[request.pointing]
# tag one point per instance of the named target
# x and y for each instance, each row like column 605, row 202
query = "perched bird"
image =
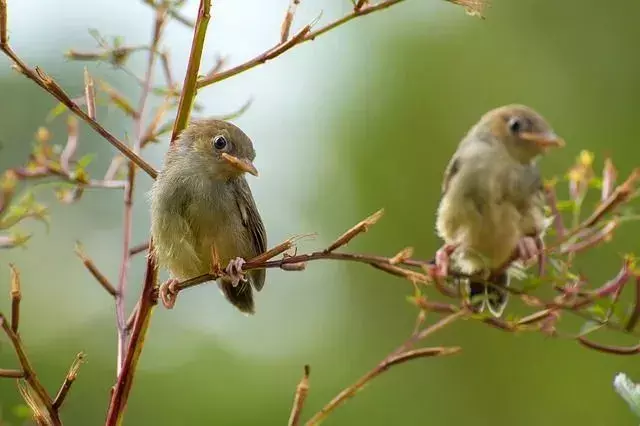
column 201, row 199
column 492, row 199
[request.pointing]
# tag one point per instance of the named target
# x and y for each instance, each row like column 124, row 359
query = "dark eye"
column 515, row 125
column 220, row 142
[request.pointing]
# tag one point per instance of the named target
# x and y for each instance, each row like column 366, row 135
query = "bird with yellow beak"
column 492, row 201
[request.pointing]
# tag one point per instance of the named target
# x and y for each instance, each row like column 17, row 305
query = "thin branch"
column 399, row 356
column 189, row 86
column 306, row 34
column 300, row 397
column 148, row 300
column 93, row 269
column 68, row 381
column 359, row 228
column 89, row 94
column 38, row 76
column 288, row 20
column 140, row 248
column 123, row 335
column 16, row 297
column 11, row 374
column 29, row 373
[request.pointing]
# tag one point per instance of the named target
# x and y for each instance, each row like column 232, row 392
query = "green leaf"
column 85, row 160
column 56, row 111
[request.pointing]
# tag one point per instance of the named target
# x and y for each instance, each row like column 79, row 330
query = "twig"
column 303, row 36
column 89, row 94
column 16, row 297
column 91, row 267
column 123, row 335
column 43, row 80
column 400, row 355
column 148, row 300
column 361, row 227
column 170, row 289
column 29, row 373
column 635, row 315
column 68, row 381
column 140, row 248
column 288, row 20
column 189, row 86
column 11, row 374
column 300, row 397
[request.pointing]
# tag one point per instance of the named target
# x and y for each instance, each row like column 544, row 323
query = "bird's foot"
column 234, row 271
column 167, row 293
column 531, row 249
column 442, row 259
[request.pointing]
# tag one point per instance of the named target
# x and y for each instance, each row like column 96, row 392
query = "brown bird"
column 492, row 199
column 201, row 199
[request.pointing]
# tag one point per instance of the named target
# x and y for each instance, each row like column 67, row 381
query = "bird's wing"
column 452, row 168
column 253, row 223
column 532, row 200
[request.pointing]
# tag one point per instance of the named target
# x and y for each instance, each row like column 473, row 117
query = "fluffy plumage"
column 201, row 198
column 492, row 196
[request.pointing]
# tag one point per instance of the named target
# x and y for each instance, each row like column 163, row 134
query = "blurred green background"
column 362, row 118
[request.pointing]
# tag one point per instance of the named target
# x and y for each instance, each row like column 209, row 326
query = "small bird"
column 492, row 200
column 201, row 200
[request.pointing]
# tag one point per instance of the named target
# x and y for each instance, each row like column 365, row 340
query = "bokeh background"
column 362, row 118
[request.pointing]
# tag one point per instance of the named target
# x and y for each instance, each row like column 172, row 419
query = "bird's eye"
column 220, row 142
column 515, row 125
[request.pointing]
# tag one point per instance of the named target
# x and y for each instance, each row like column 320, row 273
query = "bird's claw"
column 530, row 249
column 167, row 294
column 234, row 271
column 442, row 259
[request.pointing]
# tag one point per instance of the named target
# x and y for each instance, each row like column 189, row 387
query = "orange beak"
column 242, row 165
column 544, row 140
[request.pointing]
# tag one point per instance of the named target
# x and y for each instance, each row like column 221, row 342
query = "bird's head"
column 523, row 132
column 220, row 147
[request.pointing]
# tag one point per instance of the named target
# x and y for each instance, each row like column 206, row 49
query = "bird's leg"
column 442, row 259
column 527, row 249
column 532, row 247
column 167, row 294
column 234, row 270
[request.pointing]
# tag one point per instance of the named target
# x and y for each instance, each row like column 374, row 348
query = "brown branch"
column 306, row 34
column 635, row 314
column 148, row 300
column 93, row 269
column 16, row 297
column 361, row 227
column 399, row 356
column 89, row 94
column 121, row 316
column 169, row 290
column 288, row 20
column 11, row 374
column 300, row 397
column 29, row 373
column 38, row 76
column 68, row 381
column 189, row 86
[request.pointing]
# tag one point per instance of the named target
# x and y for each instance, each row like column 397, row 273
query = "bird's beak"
column 242, row 165
column 543, row 140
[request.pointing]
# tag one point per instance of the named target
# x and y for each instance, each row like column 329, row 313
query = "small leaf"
column 85, row 160
column 56, row 111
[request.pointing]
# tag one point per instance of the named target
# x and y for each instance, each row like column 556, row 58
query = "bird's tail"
column 240, row 295
column 493, row 297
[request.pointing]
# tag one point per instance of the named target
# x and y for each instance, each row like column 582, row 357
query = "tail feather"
column 240, row 296
column 494, row 297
